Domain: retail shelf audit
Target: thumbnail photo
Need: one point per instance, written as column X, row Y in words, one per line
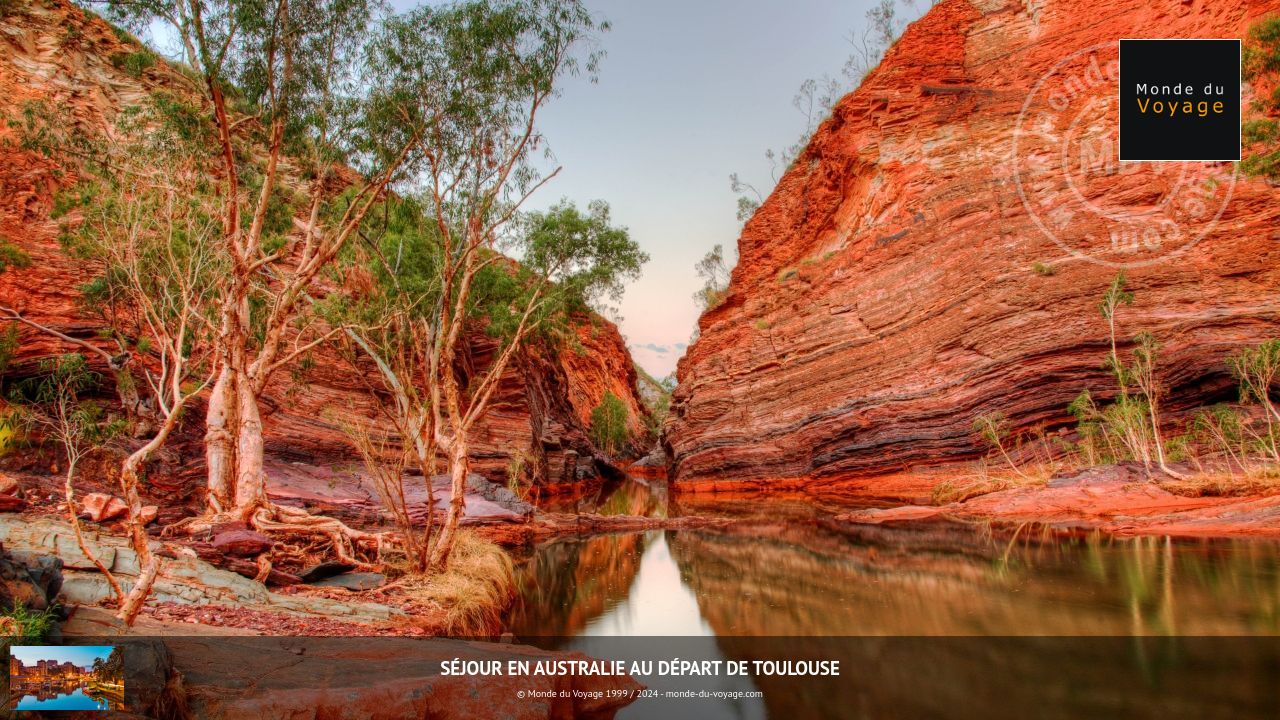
column 71, row 677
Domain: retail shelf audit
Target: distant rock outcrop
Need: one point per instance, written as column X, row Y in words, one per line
column 932, row 255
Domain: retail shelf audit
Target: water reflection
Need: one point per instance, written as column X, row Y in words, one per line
column 60, row 698
column 628, row 496
column 793, row 574
column 786, row 583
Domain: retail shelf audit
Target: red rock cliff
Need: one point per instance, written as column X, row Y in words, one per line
column 53, row 52
column 924, row 262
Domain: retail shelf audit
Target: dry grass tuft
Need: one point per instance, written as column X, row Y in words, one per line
column 1259, row 480
column 471, row 596
column 984, row 482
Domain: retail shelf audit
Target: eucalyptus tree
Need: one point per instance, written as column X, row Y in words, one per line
column 144, row 227
column 152, row 240
column 283, row 84
column 569, row 260
column 56, row 402
column 442, row 100
column 477, row 76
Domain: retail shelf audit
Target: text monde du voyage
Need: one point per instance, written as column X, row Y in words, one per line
column 1180, row 99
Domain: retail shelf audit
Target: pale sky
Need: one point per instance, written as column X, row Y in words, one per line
column 80, row 655
column 689, row 92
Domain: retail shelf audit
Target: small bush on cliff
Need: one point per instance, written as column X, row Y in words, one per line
column 12, row 256
column 609, row 424
column 1262, row 58
column 1128, row 428
column 133, row 64
column 994, row 429
column 1258, row 369
column 714, row 272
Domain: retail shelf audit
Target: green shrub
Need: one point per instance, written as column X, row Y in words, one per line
column 133, row 64
column 1044, row 269
column 27, row 624
column 609, row 423
column 12, row 256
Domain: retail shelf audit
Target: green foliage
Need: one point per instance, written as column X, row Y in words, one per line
column 1260, row 130
column 134, row 63
column 184, row 121
column 29, row 624
column 609, row 423
column 1115, row 296
column 8, row 346
column 112, row 669
column 571, row 260
column 714, row 272
column 1262, row 49
column 656, row 395
column 1044, row 269
column 1221, row 428
column 993, row 427
column 1257, row 369
column 68, row 374
column 1262, row 57
column 583, row 253
column 55, row 399
column 12, row 256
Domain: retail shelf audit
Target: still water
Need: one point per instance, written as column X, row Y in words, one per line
column 789, row 574
column 1016, row 609
column 74, row 700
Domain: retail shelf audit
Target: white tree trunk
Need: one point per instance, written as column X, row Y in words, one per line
column 251, row 479
column 459, row 468
column 220, row 442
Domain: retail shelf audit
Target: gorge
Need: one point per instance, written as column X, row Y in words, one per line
column 972, row 379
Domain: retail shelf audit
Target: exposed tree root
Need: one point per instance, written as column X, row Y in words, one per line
column 271, row 518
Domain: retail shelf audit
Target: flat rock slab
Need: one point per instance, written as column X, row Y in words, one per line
column 354, row 581
column 183, row 579
column 312, row 484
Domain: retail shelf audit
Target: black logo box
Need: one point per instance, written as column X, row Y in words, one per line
column 1185, row 64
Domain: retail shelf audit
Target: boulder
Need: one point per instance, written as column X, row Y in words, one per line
column 8, row 485
column 242, row 543
column 101, row 507
column 354, row 581
column 149, row 514
column 499, row 495
column 316, row 573
column 11, row 503
column 29, row 579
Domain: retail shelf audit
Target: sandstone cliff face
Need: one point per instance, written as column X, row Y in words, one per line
column 922, row 263
column 54, row 53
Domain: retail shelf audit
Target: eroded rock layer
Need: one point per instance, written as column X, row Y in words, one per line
column 939, row 250
column 54, row 53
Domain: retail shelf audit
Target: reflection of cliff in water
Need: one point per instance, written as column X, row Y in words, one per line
column 955, row 580
column 811, row 584
column 624, row 496
column 568, row 583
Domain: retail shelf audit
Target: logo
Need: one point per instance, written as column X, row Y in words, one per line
column 1078, row 192
column 1180, row 100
